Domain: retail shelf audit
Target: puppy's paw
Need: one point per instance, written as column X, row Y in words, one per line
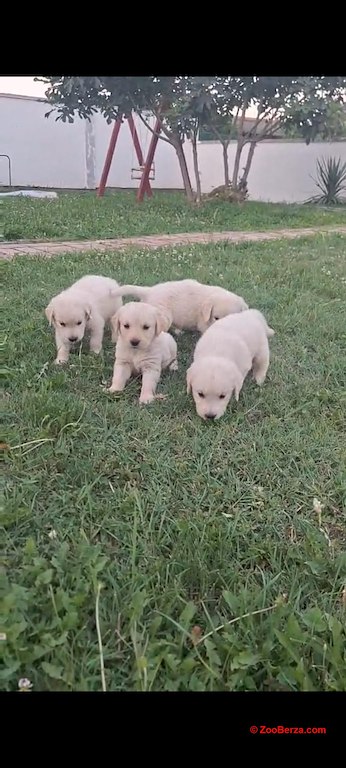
column 146, row 399
column 95, row 350
column 112, row 389
column 60, row 361
column 260, row 380
column 174, row 366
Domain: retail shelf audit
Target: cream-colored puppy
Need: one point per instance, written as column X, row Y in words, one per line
column 87, row 305
column 223, row 357
column 143, row 346
column 191, row 305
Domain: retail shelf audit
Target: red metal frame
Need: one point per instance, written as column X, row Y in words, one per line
column 139, row 152
column 109, row 157
column 144, row 187
column 149, row 161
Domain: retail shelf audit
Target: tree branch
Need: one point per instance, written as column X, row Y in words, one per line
column 155, row 133
column 233, row 122
column 260, row 117
column 157, row 113
column 241, row 124
column 272, row 128
column 273, row 115
column 269, row 129
column 224, row 142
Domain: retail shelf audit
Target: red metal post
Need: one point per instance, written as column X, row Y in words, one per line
column 149, row 161
column 138, row 149
column 109, row 157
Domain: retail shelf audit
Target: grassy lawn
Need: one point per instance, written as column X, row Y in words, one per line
column 188, row 525
column 77, row 216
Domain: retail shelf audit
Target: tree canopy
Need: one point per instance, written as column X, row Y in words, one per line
column 307, row 107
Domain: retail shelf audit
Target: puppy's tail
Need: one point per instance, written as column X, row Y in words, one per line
column 269, row 331
column 139, row 291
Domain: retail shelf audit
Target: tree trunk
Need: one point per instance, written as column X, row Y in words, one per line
column 248, row 163
column 195, row 166
column 174, row 139
column 240, row 146
column 184, row 169
column 225, row 162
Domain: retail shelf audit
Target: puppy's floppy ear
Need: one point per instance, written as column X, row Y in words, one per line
column 49, row 312
column 163, row 322
column 206, row 311
column 87, row 310
column 189, row 378
column 115, row 325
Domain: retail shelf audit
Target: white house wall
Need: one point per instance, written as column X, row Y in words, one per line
column 46, row 153
column 280, row 171
column 43, row 153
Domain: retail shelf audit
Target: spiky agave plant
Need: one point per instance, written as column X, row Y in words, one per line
column 331, row 180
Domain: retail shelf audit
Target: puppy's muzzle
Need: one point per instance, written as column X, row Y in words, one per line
column 72, row 339
column 134, row 342
column 210, row 415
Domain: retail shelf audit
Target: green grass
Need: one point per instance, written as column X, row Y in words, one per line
column 187, row 525
column 77, row 216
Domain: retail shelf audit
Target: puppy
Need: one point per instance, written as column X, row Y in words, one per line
column 189, row 304
column 223, row 357
column 87, row 304
column 143, row 346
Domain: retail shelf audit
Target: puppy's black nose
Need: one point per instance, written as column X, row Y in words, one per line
column 134, row 342
column 72, row 338
column 210, row 415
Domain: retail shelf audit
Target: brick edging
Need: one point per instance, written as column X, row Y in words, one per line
column 9, row 250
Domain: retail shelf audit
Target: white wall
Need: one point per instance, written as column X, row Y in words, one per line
column 46, row 153
column 43, row 153
column 280, row 171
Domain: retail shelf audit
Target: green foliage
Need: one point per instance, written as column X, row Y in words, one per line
column 309, row 103
column 331, row 181
column 220, row 127
column 320, row 112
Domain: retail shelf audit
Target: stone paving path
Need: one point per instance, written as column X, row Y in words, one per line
column 35, row 248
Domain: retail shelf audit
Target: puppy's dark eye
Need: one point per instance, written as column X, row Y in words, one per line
column 79, row 322
column 63, row 324
column 146, row 327
column 222, row 397
column 126, row 325
column 216, row 318
column 201, row 394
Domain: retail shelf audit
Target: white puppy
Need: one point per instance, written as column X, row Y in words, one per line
column 143, row 346
column 223, row 357
column 191, row 305
column 87, row 305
